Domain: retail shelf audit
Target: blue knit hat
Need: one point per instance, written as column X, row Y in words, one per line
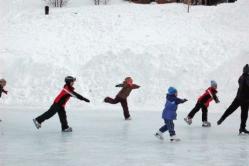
column 172, row 91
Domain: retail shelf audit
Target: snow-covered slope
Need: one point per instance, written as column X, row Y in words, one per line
column 158, row 45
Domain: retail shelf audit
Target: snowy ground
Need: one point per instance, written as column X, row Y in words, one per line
column 100, row 45
column 103, row 138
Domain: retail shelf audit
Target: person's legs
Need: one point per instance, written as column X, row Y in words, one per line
column 194, row 110
column 63, row 118
column 235, row 104
column 125, row 108
column 111, row 100
column 164, row 127
column 204, row 113
column 171, row 127
column 48, row 114
column 244, row 115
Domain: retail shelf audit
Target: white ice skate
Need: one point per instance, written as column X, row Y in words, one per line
column 69, row 129
column 37, row 124
column 129, row 118
column 159, row 135
column 206, row 124
column 188, row 120
column 174, row 139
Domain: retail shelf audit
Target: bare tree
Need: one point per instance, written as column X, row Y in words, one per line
column 56, row 3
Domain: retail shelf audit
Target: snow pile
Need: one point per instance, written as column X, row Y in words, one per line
column 158, row 45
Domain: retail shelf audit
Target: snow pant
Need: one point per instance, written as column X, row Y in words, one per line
column 169, row 125
column 244, row 111
column 55, row 108
column 123, row 104
column 197, row 107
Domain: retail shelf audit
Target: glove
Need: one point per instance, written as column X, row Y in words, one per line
column 184, row 100
column 6, row 92
column 86, row 100
column 217, row 101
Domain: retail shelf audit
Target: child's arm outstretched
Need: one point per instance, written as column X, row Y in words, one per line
column 120, row 85
column 78, row 96
column 180, row 101
column 216, row 98
column 135, row 86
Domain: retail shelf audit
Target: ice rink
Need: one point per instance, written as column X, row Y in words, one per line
column 103, row 138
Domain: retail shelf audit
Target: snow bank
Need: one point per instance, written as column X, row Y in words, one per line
column 158, row 45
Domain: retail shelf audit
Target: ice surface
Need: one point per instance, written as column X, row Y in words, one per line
column 103, row 138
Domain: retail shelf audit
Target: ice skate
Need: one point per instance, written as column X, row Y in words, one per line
column 206, row 124
column 129, row 118
column 219, row 122
column 69, row 129
column 243, row 132
column 188, row 120
column 159, row 135
column 174, row 139
column 37, row 124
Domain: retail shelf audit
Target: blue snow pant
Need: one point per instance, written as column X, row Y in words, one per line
column 169, row 125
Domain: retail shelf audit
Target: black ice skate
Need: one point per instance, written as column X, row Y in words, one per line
column 243, row 132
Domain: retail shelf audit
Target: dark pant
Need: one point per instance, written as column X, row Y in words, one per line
column 197, row 107
column 123, row 104
column 55, row 108
column 244, row 112
column 169, row 125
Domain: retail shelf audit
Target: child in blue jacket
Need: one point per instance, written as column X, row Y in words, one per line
column 169, row 114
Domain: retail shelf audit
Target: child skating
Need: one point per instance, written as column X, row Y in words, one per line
column 169, row 114
column 127, row 86
column 59, row 105
column 2, row 90
column 203, row 103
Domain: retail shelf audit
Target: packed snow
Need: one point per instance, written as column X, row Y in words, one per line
column 158, row 45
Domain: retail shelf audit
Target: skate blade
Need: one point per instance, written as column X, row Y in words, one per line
column 243, row 134
column 189, row 123
column 175, row 140
column 157, row 136
column 35, row 124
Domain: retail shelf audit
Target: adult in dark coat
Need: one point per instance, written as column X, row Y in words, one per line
column 241, row 100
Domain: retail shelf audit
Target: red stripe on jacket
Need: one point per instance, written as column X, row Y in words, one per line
column 206, row 98
column 64, row 96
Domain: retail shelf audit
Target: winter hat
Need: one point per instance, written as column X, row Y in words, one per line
column 172, row 91
column 128, row 80
column 246, row 69
column 3, row 82
column 213, row 84
column 69, row 79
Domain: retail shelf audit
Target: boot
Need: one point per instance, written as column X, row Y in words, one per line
column 159, row 135
column 220, row 121
column 37, row 124
column 69, row 129
column 206, row 124
column 243, row 131
column 188, row 120
column 173, row 138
